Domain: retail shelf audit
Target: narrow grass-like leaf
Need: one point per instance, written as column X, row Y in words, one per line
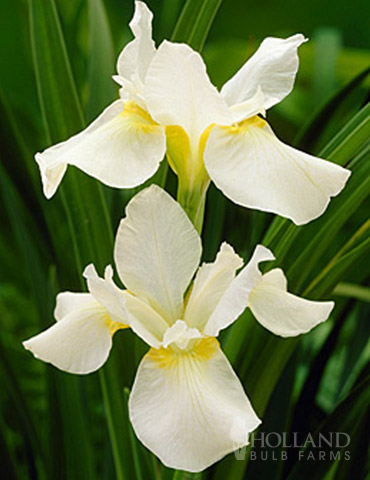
column 347, row 417
column 357, row 247
column 8, row 463
column 352, row 290
column 24, row 419
column 101, row 88
column 306, row 401
column 87, row 216
column 312, row 131
column 195, row 22
column 356, row 133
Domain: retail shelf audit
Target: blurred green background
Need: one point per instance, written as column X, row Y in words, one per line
column 54, row 426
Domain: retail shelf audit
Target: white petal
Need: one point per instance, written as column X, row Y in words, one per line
column 135, row 58
column 52, row 171
column 283, row 313
column 179, row 335
column 235, row 299
column 144, row 320
column 211, row 282
column 157, row 251
column 78, row 343
column 272, row 68
column 250, row 107
column 122, row 148
column 190, row 409
column 68, row 302
column 106, row 293
column 255, row 169
column 178, row 91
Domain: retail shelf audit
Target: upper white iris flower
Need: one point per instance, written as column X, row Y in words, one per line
column 168, row 106
column 187, row 404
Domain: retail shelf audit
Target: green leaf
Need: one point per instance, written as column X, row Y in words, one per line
column 87, row 217
column 86, row 213
column 352, row 290
column 356, row 248
column 312, row 130
column 348, row 141
column 59, row 102
column 195, row 22
column 8, row 463
column 348, row 417
column 101, row 88
column 326, row 46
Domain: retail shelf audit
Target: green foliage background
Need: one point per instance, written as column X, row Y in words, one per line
column 56, row 60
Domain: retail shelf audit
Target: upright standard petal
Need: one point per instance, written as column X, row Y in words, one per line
column 157, row 251
column 106, row 293
column 135, row 58
column 235, row 299
column 144, row 320
column 122, row 148
column 179, row 92
column 211, row 282
column 80, row 341
column 189, row 408
column 179, row 335
column 255, row 169
column 272, row 69
column 281, row 312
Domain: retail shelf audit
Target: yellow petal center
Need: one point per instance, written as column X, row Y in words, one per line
column 201, row 350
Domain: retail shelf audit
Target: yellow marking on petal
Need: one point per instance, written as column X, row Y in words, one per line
column 202, row 350
column 138, row 117
column 254, row 121
column 186, row 160
column 178, row 149
column 114, row 326
column 203, row 139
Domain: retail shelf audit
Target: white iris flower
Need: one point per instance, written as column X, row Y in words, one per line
column 168, row 106
column 187, row 404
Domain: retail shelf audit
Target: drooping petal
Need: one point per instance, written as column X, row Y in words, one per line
column 189, row 408
column 135, row 58
column 235, row 299
column 281, row 312
column 106, row 293
column 144, row 320
column 272, row 68
column 157, row 251
column 211, row 282
column 67, row 302
column 178, row 91
column 122, row 148
column 79, row 342
column 255, row 169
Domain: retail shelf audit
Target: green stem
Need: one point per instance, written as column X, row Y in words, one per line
column 193, row 202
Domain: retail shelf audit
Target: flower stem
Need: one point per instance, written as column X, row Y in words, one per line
column 193, row 202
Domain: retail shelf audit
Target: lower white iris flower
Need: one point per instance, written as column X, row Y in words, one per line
column 187, row 404
column 168, row 106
